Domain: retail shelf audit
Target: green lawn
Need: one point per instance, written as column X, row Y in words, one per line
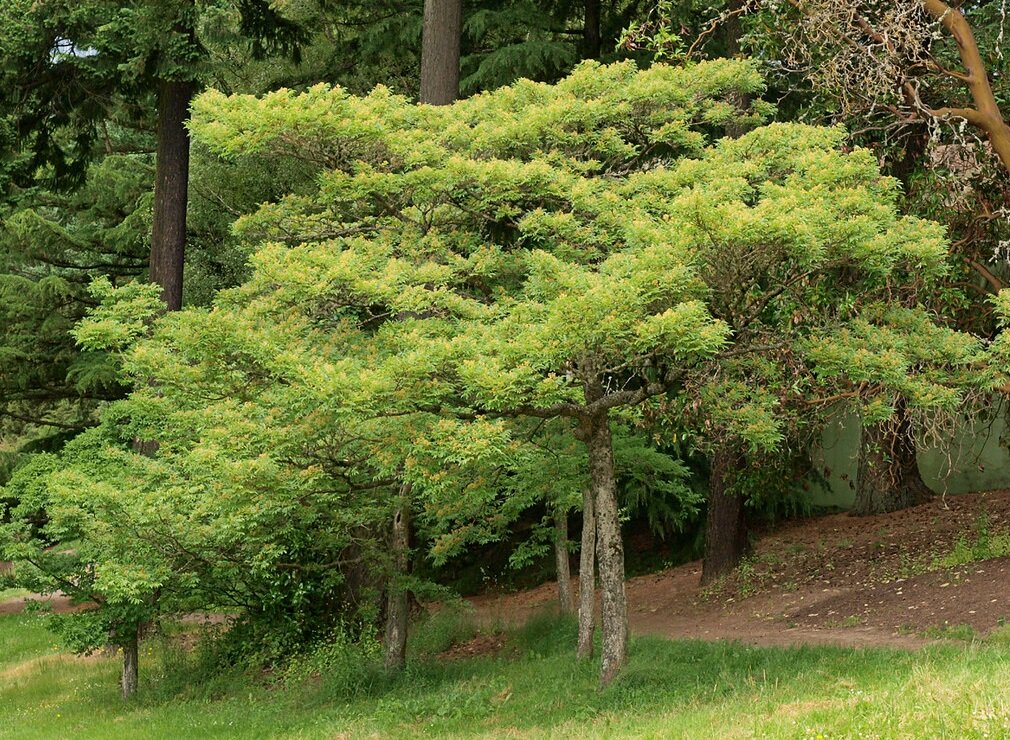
column 670, row 689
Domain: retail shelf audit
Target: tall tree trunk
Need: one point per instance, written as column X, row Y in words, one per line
column 591, row 37
column 440, row 46
column 587, row 577
column 562, row 564
column 131, row 670
column 171, row 188
column 732, row 32
column 609, row 547
column 398, row 605
column 726, row 540
column 888, row 477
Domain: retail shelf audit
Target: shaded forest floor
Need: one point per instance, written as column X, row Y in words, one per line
column 938, row 570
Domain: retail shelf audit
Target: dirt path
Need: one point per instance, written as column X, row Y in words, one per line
column 59, row 603
column 862, row 582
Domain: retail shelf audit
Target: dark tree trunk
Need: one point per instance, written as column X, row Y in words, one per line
column 131, row 670
column 732, row 32
column 398, row 606
column 726, row 540
column 587, row 577
column 562, row 564
column 440, row 45
column 609, row 547
column 888, row 477
column 591, row 38
column 171, row 184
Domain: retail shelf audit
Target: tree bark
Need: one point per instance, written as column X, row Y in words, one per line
column 440, row 47
column 562, row 564
column 888, row 477
column 592, row 45
column 609, row 547
column 587, row 577
column 131, row 670
column 171, row 187
column 726, row 540
column 398, row 605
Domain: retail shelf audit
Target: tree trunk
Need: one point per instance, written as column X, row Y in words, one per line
column 587, row 577
column 609, row 547
column 171, row 183
column 563, row 566
column 591, row 37
column 732, row 33
column 131, row 671
column 440, row 45
column 725, row 522
column 398, row 606
column 888, row 477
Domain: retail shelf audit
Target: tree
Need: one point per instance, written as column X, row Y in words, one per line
column 467, row 183
column 896, row 58
column 573, row 313
column 66, row 67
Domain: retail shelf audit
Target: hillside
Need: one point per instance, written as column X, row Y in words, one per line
column 898, row 579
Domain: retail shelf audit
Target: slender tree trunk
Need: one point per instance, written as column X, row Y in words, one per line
column 398, row 606
column 609, row 547
column 131, row 670
column 591, row 38
column 587, row 577
column 562, row 564
column 440, row 47
column 171, row 184
column 888, row 477
column 726, row 540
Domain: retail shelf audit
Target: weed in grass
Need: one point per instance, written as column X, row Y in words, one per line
column 344, row 665
column 985, row 545
column 951, row 632
column 441, row 630
column 547, row 634
column 852, row 620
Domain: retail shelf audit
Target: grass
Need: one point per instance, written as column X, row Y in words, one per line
column 669, row 689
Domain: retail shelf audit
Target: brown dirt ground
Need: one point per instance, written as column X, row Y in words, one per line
column 836, row 579
column 59, row 603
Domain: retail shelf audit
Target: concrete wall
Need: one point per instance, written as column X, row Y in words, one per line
column 975, row 461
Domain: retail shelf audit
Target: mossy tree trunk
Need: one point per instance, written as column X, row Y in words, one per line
column 566, row 599
column 398, row 599
column 131, row 657
column 587, row 577
column 609, row 546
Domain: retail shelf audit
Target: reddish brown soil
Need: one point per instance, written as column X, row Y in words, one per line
column 871, row 581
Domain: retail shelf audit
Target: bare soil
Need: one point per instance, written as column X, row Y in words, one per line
column 59, row 603
column 854, row 581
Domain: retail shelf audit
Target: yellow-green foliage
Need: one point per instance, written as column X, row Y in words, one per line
column 453, row 271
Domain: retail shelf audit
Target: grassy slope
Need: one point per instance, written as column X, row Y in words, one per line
column 670, row 689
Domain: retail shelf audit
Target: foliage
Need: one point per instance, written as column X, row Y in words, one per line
column 453, row 300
